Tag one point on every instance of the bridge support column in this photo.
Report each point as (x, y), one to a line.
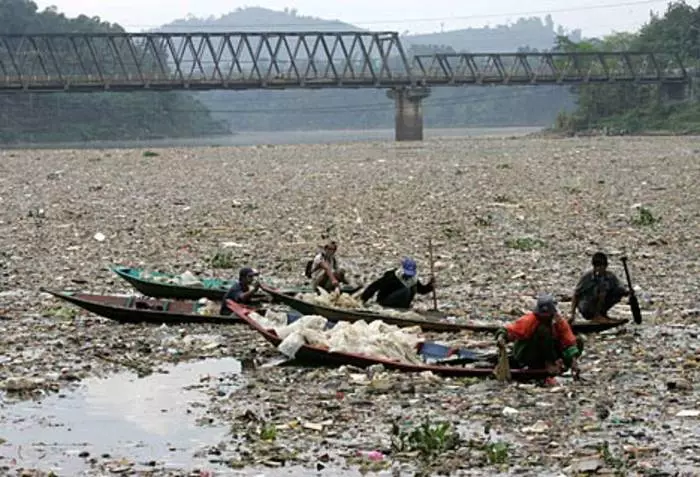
(409, 112)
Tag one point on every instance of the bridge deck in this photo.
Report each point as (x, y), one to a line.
(281, 60)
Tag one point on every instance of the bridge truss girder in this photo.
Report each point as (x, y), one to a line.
(279, 60)
(549, 68)
(132, 61)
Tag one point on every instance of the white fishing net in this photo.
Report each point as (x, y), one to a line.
(376, 339)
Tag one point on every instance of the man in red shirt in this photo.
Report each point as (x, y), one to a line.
(543, 339)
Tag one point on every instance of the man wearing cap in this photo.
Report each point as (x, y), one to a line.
(242, 290)
(597, 291)
(543, 339)
(398, 286)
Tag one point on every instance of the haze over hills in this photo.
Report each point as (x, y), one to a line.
(258, 19)
(532, 33)
(370, 108)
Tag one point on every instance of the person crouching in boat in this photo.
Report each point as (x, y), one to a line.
(243, 290)
(323, 269)
(597, 291)
(543, 339)
(398, 287)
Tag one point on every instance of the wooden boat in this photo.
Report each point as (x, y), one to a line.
(134, 309)
(439, 359)
(157, 286)
(433, 321)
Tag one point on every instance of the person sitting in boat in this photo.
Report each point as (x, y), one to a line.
(543, 339)
(398, 287)
(243, 290)
(323, 269)
(597, 291)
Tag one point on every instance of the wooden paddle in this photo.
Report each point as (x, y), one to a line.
(634, 304)
(432, 272)
(502, 369)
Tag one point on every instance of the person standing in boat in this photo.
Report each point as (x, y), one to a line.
(597, 291)
(243, 290)
(398, 287)
(323, 269)
(543, 339)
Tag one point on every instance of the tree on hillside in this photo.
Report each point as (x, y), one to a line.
(678, 31)
(632, 107)
(86, 116)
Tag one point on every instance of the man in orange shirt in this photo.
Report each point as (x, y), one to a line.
(543, 339)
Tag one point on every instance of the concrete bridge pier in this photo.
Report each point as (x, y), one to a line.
(409, 112)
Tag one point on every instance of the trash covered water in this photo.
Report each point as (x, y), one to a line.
(508, 218)
(121, 421)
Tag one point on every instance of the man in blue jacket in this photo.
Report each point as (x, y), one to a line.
(242, 290)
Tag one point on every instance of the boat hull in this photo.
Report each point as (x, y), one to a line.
(214, 288)
(318, 356)
(430, 323)
(133, 309)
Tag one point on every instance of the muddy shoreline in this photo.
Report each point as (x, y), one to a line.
(511, 217)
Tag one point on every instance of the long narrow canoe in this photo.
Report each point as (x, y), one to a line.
(439, 359)
(165, 285)
(432, 321)
(134, 309)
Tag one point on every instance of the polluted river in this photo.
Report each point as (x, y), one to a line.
(508, 218)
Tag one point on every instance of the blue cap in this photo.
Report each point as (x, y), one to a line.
(409, 267)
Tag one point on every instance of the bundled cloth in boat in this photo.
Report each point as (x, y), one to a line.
(376, 339)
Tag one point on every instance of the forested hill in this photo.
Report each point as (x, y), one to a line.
(90, 116)
(357, 109)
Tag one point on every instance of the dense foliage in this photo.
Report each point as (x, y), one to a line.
(90, 116)
(636, 108)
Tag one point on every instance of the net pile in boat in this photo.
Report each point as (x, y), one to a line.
(337, 299)
(376, 339)
(185, 279)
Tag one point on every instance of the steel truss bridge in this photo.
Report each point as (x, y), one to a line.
(283, 60)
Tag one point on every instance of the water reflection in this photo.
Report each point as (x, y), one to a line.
(147, 419)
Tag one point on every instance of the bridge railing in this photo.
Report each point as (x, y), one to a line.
(548, 68)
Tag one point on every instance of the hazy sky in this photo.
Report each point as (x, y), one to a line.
(594, 17)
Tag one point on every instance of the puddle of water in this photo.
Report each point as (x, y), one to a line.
(144, 420)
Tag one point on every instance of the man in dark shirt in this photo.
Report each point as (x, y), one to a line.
(398, 286)
(597, 291)
(242, 290)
